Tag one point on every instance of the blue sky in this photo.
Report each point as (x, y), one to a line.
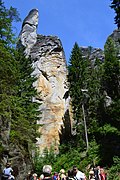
(87, 22)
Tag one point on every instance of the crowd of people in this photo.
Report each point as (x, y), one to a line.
(96, 173)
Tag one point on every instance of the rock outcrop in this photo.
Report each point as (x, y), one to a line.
(116, 37)
(92, 53)
(50, 68)
(28, 35)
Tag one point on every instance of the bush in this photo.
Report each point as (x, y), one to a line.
(114, 171)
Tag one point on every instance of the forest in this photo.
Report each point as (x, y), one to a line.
(94, 88)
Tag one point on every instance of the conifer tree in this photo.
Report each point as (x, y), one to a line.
(7, 65)
(7, 16)
(25, 110)
(18, 111)
(109, 122)
(111, 69)
(8, 71)
(95, 97)
(78, 78)
(116, 6)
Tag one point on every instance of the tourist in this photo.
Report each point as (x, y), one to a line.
(78, 175)
(47, 172)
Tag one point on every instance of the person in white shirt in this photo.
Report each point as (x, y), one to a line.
(7, 171)
(78, 175)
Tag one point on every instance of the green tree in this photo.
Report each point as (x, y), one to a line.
(7, 79)
(111, 70)
(116, 6)
(24, 110)
(18, 110)
(7, 16)
(109, 120)
(113, 173)
(95, 98)
(8, 70)
(78, 78)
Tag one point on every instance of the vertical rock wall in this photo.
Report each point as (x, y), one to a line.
(50, 68)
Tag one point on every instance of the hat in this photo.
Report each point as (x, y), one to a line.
(47, 169)
(34, 174)
(62, 171)
(91, 172)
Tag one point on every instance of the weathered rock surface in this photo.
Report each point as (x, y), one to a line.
(28, 34)
(92, 53)
(116, 37)
(50, 68)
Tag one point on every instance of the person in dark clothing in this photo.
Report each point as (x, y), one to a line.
(47, 172)
(96, 172)
(70, 175)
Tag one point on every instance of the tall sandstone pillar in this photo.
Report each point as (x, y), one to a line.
(50, 68)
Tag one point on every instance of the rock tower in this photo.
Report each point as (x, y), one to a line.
(50, 68)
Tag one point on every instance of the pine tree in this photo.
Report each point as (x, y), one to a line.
(7, 16)
(95, 97)
(78, 79)
(25, 110)
(7, 79)
(7, 68)
(116, 6)
(18, 111)
(109, 130)
(111, 69)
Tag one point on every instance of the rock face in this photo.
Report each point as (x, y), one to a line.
(16, 154)
(92, 53)
(28, 35)
(116, 37)
(50, 68)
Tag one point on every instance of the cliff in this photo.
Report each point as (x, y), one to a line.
(50, 69)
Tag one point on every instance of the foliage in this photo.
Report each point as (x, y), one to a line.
(40, 160)
(114, 171)
(95, 98)
(78, 78)
(7, 79)
(101, 81)
(116, 6)
(93, 153)
(24, 109)
(109, 131)
(18, 109)
(68, 159)
(7, 16)
(111, 70)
